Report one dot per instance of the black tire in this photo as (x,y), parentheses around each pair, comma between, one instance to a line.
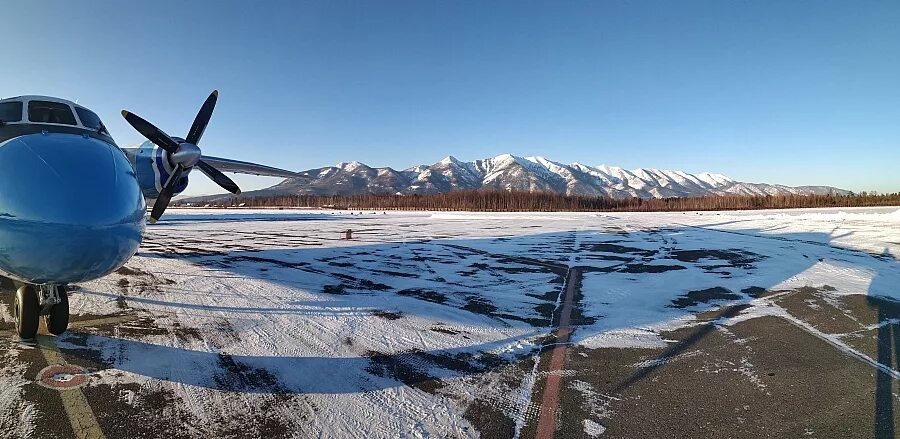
(57,320)
(27,311)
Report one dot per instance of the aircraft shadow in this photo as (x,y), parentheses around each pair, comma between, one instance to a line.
(479,281)
(888,354)
(276,374)
(181,218)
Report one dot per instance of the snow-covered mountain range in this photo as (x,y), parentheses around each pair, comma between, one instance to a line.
(509,172)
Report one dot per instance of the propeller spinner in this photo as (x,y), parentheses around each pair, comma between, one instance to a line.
(182,153)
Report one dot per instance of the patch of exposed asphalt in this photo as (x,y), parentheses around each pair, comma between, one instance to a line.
(237,376)
(721,312)
(388,315)
(135,411)
(139,327)
(489,420)
(545,310)
(480,305)
(557,268)
(879,317)
(494,414)
(812,306)
(334,289)
(767,379)
(224,331)
(649,268)
(231,259)
(262,423)
(135,279)
(444,330)
(128,271)
(869,310)
(757,292)
(90,359)
(708,295)
(578,317)
(396,273)
(424,294)
(519,268)
(549,296)
(409,367)
(48,417)
(362,284)
(735,257)
(606,258)
(402,369)
(186,334)
(607,247)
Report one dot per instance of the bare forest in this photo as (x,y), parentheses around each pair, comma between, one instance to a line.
(500,201)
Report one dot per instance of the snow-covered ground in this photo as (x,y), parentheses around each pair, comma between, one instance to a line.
(267,322)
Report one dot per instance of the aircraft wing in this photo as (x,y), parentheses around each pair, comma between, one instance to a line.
(237,166)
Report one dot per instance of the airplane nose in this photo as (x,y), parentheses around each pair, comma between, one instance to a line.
(70,208)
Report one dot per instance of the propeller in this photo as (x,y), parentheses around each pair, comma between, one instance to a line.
(184,154)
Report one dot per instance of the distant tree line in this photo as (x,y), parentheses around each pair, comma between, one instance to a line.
(502,201)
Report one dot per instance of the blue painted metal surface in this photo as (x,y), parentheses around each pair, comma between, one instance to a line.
(71,208)
(154,169)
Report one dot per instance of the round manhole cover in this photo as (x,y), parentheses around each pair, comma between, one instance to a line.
(62,377)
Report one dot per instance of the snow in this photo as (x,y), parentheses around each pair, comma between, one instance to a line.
(714,179)
(254,284)
(351,166)
(592,428)
(508,171)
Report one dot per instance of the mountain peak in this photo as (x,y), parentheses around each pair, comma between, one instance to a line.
(449,160)
(504,157)
(351,166)
(533,173)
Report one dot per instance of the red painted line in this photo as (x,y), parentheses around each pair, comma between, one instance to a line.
(546,427)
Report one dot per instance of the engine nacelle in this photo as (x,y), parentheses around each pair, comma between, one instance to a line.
(153,169)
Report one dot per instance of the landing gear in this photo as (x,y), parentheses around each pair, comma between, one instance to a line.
(27,310)
(57,317)
(49,301)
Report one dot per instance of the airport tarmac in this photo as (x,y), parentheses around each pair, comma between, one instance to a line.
(243,323)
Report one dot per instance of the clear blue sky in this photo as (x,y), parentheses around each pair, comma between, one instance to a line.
(793,92)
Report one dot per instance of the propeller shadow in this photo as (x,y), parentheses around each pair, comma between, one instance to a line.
(489,283)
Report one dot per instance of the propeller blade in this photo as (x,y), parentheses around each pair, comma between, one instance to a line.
(165,196)
(202,119)
(218,177)
(151,132)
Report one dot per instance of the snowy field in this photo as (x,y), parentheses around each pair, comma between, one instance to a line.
(239,323)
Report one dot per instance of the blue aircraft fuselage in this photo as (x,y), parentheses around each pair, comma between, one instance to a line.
(73,203)
(71,206)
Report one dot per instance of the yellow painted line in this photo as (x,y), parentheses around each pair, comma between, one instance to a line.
(81,417)
(78,410)
(101,321)
(86,323)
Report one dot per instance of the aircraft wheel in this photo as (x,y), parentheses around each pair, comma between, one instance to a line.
(27,310)
(58,319)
